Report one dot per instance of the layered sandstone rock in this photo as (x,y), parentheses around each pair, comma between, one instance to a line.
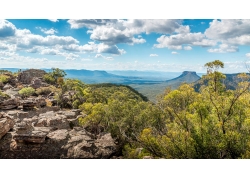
(6,123)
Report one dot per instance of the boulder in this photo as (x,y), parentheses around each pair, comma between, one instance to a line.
(7,86)
(9,103)
(27,76)
(36,82)
(6,123)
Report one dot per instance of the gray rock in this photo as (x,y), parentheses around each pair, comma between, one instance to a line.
(6,123)
(9,104)
(36,82)
(26,76)
(7,86)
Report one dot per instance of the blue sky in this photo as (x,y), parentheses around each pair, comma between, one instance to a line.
(125,44)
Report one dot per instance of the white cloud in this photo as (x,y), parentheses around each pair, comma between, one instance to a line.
(53,20)
(88,23)
(104,57)
(248,55)
(174,52)
(50,52)
(138,41)
(230,31)
(49,32)
(6,29)
(176,41)
(123,31)
(188,48)
(228,28)
(104,48)
(153,55)
(224,48)
(205,43)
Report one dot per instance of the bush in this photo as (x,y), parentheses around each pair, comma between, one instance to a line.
(26,92)
(4,78)
(43,91)
(3,95)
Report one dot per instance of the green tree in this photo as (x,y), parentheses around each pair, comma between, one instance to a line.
(213,123)
(55,76)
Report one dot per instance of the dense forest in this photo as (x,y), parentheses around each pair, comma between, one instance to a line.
(211,122)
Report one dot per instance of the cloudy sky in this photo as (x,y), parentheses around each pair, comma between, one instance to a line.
(125,44)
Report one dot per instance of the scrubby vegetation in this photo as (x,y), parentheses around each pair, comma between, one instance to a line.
(209,122)
(26,91)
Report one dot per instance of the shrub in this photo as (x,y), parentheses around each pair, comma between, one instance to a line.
(4,78)
(27,91)
(43,91)
(3,95)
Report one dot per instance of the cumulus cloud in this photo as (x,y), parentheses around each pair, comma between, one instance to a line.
(50,52)
(174,52)
(114,32)
(224,48)
(230,31)
(49,32)
(188,48)
(104,57)
(228,28)
(176,41)
(153,55)
(88,23)
(54,20)
(248,55)
(6,29)
(104,48)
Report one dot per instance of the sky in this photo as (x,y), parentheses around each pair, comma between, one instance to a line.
(172,45)
(131,43)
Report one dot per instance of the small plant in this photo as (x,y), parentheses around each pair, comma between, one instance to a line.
(43,91)
(4,78)
(3,95)
(48,103)
(27,91)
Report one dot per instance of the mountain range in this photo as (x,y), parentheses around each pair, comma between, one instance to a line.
(149,83)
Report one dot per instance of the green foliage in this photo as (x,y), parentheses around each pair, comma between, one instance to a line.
(212,123)
(27,91)
(3,95)
(120,111)
(4,78)
(45,90)
(54,76)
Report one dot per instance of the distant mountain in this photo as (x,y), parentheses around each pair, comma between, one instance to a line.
(152,90)
(231,81)
(157,75)
(186,76)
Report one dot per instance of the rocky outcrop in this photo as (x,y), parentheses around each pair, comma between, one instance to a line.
(26,76)
(36,82)
(30,103)
(9,103)
(50,144)
(6,123)
(7,86)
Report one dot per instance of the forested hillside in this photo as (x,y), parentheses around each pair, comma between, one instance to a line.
(212,122)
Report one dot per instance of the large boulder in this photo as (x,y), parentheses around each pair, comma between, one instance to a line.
(26,76)
(30,103)
(48,143)
(6,123)
(83,145)
(7,86)
(9,103)
(36,82)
